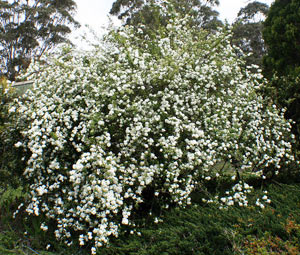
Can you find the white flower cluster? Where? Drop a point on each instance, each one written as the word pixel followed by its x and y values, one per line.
pixel 137 113
pixel 236 196
pixel 261 202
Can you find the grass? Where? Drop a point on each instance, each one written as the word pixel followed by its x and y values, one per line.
pixel 199 229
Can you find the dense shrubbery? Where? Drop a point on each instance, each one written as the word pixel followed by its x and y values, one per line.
pixel 138 120
pixel 282 61
pixel 11 163
pixel 6 95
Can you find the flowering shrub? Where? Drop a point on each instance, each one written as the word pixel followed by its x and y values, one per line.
pixel 141 115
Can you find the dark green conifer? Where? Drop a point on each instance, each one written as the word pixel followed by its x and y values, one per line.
pixel 282 38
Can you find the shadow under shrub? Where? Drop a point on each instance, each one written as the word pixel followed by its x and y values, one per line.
pixel 205 229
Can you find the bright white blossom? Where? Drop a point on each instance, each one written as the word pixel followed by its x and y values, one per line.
pixel 106 125
pixel 236 196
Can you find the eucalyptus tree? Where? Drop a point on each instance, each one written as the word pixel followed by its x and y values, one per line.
pixel 148 12
pixel 29 28
pixel 247 30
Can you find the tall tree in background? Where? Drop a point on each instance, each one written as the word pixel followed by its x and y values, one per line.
pixel 28 28
pixel 146 12
pixel 282 38
pixel 247 31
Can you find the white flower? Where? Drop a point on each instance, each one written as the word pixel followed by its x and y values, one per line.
pixel 104 126
pixel 125 221
pixel 230 202
pixel 237 196
pixel 93 250
pixel 44 227
pixel 223 199
pixel 18 144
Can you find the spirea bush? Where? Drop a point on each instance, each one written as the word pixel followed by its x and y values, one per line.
pixel 140 117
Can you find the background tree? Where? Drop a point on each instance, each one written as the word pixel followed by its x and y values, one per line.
pixel 146 12
pixel 248 31
pixel 30 28
pixel 282 38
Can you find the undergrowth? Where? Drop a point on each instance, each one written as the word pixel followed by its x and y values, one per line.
pixel 198 229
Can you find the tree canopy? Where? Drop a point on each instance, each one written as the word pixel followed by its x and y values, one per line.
pixel 30 28
pixel 248 31
pixel 147 12
pixel 282 37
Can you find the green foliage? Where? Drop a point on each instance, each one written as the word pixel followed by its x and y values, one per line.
pixel 10 196
pixel 11 162
pixel 282 62
pixel 147 13
pixel 20 234
pixel 270 245
pixel 200 229
pixel 282 36
pixel 247 32
pixel 10 199
pixel 208 230
pixel 6 96
pixel 286 92
pixel 30 28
